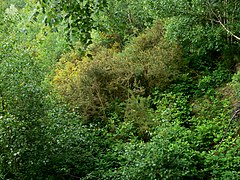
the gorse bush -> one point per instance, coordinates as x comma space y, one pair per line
92, 85
156, 62
85, 83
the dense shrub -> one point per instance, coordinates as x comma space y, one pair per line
216, 133
223, 163
207, 147
92, 85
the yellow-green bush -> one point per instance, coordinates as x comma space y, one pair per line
155, 62
91, 85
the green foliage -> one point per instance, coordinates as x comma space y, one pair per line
167, 156
195, 35
184, 84
78, 15
125, 109
212, 80
224, 162
172, 108
137, 112
22, 85
236, 84
205, 150
210, 118
39, 139
21, 147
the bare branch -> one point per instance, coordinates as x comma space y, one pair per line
220, 22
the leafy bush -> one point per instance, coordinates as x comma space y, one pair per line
167, 156
216, 134
212, 80
25, 61
55, 146
223, 163
31, 133
206, 152
236, 84
197, 25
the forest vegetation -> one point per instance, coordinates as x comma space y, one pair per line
126, 89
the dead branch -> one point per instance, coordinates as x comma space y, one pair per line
231, 120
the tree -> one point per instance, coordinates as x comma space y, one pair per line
77, 15
121, 20
200, 26
40, 138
